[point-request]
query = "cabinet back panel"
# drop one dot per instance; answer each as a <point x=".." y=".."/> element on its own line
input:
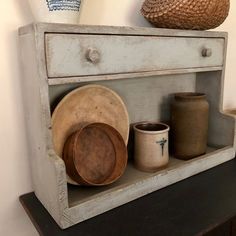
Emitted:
<point x="146" y="98"/>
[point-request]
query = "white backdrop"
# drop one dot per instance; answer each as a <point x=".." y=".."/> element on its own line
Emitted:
<point x="14" y="168"/>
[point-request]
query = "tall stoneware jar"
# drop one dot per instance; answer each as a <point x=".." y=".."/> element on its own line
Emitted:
<point x="56" y="11"/>
<point x="189" y="123"/>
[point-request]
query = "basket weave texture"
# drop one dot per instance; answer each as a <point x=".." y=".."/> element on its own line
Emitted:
<point x="186" y="14"/>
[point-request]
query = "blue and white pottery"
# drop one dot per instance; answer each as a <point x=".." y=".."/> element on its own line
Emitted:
<point x="56" y="11"/>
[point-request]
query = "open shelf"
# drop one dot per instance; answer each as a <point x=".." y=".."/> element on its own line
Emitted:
<point x="151" y="101"/>
<point x="175" y="171"/>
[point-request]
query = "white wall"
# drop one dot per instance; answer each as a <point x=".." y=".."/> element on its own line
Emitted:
<point x="14" y="168"/>
<point x="230" y="82"/>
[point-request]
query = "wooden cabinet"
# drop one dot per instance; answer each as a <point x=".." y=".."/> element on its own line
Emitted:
<point x="145" y="67"/>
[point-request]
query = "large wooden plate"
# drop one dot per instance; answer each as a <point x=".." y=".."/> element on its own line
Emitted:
<point x="88" y="104"/>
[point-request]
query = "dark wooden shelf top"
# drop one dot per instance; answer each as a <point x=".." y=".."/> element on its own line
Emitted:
<point x="194" y="206"/>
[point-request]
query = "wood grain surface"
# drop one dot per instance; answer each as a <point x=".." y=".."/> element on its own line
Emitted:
<point x="91" y="103"/>
<point x="95" y="155"/>
<point x="88" y="104"/>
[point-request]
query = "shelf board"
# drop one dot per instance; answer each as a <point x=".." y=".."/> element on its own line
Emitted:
<point x="191" y="207"/>
<point x="177" y="170"/>
<point x="92" y="78"/>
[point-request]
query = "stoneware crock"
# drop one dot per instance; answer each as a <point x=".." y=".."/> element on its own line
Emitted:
<point x="56" y="11"/>
<point x="189" y="124"/>
<point x="95" y="155"/>
<point x="151" y="146"/>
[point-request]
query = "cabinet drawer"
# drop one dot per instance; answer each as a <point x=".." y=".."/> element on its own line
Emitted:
<point x="81" y="55"/>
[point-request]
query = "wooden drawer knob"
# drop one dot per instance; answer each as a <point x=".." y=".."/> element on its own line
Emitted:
<point x="93" y="55"/>
<point x="206" y="52"/>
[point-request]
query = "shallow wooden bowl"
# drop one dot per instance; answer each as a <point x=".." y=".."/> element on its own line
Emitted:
<point x="95" y="155"/>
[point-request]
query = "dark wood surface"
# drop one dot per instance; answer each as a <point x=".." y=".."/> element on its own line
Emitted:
<point x="201" y="205"/>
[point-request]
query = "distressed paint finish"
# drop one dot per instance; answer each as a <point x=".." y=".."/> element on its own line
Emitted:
<point x="147" y="95"/>
<point x="66" y="54"/>
<point x="139" y="107"/>
<point x="221" y="126"/>
<point x="141" y="183"/>
<point x="133" y="75"/>
<point x="48" y="170"/>
<point x="117" y="30"/>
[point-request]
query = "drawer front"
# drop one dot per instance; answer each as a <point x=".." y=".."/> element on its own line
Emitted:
<point x="83" y="55"/>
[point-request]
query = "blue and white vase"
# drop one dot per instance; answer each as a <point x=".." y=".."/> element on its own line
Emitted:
<point x="56" y="11"/>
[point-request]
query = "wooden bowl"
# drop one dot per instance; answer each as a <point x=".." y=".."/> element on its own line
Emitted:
<point x="95" y="155"/>
<point x="88" y="104"/>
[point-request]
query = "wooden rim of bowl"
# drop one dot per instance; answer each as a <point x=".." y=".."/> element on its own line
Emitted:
<point x="95" y="155"/>
<point x="189" y="96"/>
<point x="151" y="127"/>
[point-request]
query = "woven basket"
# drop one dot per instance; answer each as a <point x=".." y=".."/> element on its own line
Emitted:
<point x="186" y="14"/>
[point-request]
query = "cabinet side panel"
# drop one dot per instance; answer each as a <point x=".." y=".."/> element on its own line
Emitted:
<point x="48" y="171"/>
<point x="221" y="127"/>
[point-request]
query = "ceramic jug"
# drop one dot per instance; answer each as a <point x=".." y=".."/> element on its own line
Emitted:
<point x="189" y="124"/>
<point x="151" y="151"/>
<point x="56" y="11"/>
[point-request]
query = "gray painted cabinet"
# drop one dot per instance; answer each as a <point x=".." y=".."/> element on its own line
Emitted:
<point x="145" y="67"/>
